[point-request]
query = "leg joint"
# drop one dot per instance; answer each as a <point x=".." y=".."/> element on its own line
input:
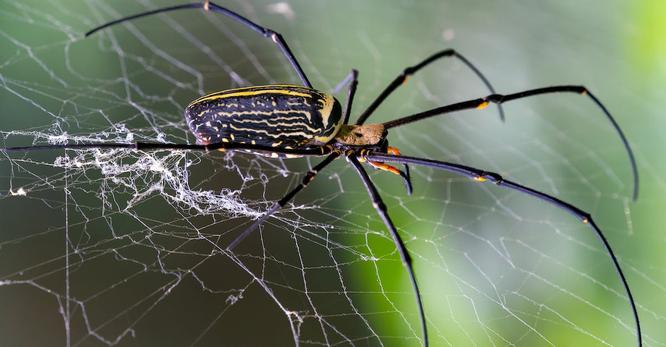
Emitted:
<point x="447" y="53"/>
<point x="493" y="177"/>
<point x="268" y="33"/>
<point x="484" y="176"/>
<point x="379" y="205"/>
<point x="495" y="98"/>
<point x="309" y="176"/>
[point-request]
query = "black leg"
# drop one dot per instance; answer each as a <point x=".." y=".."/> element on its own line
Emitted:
<point x="209" y="6"/>
<point x="379" y="205"/>
<point x="398" y="81"/>
<point x="482" y="103"/>
<point x="350" y="95"/>
<point x="156" y="146"/>
<point x="344" y="82"/>
<point x="407" y="179"/>
<point x="486" y="176"/>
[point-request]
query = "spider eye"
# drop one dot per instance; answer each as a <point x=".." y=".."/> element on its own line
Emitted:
<point x="358" y="134"/>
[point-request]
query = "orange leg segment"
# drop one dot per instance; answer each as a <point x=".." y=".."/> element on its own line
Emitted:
<point x="392" y="169"/>
<point x="386" y="167"/>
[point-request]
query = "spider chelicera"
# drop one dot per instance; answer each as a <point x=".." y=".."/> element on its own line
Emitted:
<point x="296" y="121"/>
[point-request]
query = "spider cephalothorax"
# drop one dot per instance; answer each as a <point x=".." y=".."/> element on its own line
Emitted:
<point x="361" y="135"/>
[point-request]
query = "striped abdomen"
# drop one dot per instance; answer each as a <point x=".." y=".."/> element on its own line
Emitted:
<point x="282" y="116"/>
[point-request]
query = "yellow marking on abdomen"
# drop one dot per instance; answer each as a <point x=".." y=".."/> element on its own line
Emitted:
<point x="241" y="92"/>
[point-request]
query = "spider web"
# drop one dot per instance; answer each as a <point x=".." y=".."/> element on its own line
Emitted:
<point x="117" y="247"/>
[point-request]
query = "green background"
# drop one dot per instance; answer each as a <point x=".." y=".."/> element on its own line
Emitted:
<point x="495" y="268"/>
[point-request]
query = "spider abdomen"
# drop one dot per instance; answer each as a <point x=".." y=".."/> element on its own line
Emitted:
<point x="280" y="116"/>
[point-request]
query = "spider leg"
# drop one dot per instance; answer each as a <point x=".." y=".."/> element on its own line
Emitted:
<point x="402" y="78"/>
<point x="486" y="176"/>
<point x="405" y="175"/>
<point x="482" y="103"/>
<point x="309" y="176"/>
<point x="345" y="81"/>
<point x="210" y="6"/>
<point x="158" y="146"/>
<point x="394" y="170"/>
<point x="350" y="95"/>
<point x="379" y="205"/>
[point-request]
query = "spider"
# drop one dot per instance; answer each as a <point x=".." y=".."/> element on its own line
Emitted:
<point x="299" y="120"/>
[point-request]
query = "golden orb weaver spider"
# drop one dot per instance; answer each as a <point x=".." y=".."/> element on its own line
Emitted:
<point x="296" y="121"/>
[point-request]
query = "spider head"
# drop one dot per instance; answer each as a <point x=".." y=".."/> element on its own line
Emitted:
<point x="361" y="135"/>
